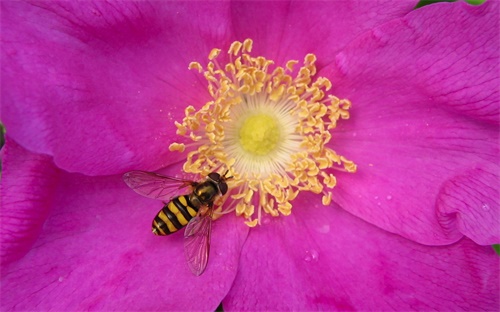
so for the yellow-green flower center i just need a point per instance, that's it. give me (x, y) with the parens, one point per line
(260, 134)
(270, 126)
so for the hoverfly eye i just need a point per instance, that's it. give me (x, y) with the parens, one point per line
(214, 176)
(223, 188)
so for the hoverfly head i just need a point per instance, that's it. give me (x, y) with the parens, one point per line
(220, 181)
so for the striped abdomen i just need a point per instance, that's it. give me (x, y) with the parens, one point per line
(174, 216)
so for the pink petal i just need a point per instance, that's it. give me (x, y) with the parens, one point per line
(458, 202)
(97, 252)
(29, 183)
(93, 81)
(323, 258)
(290, 30)
(423, 126)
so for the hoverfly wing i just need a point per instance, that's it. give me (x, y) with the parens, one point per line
(197, 243)
(154, 185)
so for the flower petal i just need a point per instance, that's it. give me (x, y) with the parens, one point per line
(458, 205)
(87, 81)
(97, 252)
(295, 28)
(425, 106)
(323, 258)
(29, 183)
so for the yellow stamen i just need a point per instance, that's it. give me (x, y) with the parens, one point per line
(213, 54)
(176, 147)
(271, 129)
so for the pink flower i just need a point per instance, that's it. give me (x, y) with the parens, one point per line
(91, 90)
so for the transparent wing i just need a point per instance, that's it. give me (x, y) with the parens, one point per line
(197, 243)
(154, 185)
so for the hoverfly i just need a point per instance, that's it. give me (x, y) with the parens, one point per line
(193, 210)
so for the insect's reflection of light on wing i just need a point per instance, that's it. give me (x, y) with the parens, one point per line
(197, 243)
(153, 185)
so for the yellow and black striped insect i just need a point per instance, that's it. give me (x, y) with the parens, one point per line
(194, 209)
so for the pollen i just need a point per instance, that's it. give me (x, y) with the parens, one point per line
(270, 126)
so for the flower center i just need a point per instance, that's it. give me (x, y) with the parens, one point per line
(270, 126)
(260, 134)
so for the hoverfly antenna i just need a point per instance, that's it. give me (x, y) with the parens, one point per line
(225, 175)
